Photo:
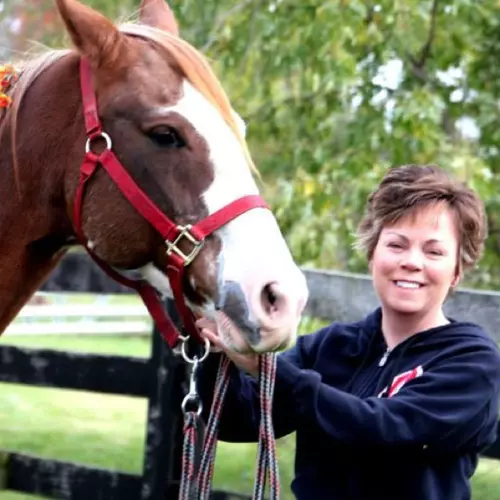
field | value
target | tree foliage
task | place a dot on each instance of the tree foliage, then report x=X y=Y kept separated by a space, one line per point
x=334 y=92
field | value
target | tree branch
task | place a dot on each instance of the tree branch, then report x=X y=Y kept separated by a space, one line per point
x=369 y=15
x=426 y=49
x=417 y=64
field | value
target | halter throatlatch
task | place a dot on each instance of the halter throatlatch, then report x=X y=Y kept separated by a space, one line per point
x=191 y=236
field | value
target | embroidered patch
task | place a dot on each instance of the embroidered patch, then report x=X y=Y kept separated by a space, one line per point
x=400 y=380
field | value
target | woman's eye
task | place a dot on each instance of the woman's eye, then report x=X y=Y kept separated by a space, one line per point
x=393 y=245
x=166 y=137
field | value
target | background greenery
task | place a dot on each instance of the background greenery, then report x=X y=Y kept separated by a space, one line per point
x=335 y=92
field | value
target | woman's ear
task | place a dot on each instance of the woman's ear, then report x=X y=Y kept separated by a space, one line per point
x=456 y=280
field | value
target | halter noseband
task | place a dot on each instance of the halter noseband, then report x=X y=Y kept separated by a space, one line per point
x=171 y=233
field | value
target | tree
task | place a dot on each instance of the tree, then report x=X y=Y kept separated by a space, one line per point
x=336 y=91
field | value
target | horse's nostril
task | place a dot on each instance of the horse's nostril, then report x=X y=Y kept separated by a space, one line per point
x=271 y=298
x=271 y=295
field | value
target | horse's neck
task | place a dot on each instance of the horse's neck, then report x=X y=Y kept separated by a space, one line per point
x=34 y=226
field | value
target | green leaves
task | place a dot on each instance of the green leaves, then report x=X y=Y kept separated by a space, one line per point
x=337 y=91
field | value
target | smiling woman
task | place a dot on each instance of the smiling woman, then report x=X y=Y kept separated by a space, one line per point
x=402 y=402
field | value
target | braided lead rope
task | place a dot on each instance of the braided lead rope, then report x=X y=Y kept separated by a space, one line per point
x=267 y=462
x=267 y=459
x=187 y=489
x=210 y=444
x=194 y=428
x=198 y=448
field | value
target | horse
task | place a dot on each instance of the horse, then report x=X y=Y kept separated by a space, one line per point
x=167 y=120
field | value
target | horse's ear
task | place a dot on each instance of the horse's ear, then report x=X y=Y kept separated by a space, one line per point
x=93 y=35
x=158 y=14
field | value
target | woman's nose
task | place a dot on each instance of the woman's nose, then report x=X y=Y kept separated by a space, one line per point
x=412 y=260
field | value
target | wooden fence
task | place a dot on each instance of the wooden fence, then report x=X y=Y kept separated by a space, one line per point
x=162 y=379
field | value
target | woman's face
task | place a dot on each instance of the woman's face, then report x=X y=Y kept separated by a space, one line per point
x=414 y=263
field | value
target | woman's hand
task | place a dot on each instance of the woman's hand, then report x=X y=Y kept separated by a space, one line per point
x=247 y=362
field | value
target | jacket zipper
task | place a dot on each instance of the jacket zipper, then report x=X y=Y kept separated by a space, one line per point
x=383 y=359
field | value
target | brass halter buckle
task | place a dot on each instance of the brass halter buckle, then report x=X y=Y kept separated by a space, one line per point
x=173 y=246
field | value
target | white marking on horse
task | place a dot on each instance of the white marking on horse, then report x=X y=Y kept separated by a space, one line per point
x=157 y=279
x=253 y=236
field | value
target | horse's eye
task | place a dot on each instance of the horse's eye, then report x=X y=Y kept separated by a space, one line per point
x=166 y=137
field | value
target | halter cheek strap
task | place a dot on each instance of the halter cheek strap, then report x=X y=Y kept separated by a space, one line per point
x=172 y=234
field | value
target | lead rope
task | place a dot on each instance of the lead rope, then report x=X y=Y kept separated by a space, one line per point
x=210 y=444
x=195 y=434
x=266 y=457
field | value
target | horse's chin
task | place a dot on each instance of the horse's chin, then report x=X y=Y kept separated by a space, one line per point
x=235 y=339
x=232 y=336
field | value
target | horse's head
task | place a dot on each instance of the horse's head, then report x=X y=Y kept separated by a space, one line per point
x=173 y=129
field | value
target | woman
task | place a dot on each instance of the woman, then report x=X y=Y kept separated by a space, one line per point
x=399 y=404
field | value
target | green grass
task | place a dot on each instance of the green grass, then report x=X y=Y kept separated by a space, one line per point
x=102 y=430
x=123 y=346
x=109 y=431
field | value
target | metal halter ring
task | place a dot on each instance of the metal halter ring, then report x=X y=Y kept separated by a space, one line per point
x=194 y=400
x=102 y=135
x=195 y=359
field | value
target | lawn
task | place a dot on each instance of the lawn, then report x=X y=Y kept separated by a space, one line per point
x=109 y=431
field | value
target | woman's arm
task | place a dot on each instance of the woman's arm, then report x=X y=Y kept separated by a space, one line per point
x=446 y=405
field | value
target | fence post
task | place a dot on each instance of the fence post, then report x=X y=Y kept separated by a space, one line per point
x=3 y=470
x=162 y=460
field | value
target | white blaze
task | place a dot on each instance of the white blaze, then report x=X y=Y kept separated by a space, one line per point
x=253 y=246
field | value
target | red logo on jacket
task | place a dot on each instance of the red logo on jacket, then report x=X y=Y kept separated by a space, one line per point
x=400 y=380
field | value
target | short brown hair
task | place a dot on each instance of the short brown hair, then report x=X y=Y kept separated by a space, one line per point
x=407 y=188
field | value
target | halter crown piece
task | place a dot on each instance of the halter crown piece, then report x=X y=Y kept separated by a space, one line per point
x=8 y=77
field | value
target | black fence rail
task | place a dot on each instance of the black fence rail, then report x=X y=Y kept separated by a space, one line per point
x=161 y=379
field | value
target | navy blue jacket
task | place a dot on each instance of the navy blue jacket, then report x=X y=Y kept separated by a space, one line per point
x=403 y=425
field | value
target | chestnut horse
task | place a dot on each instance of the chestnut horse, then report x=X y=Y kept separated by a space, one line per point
x=178 y=137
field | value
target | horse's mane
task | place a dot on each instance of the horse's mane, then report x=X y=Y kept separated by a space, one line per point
x=28 y=71
x=191 y=62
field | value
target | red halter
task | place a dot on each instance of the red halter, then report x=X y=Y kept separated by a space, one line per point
x=172 y=234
